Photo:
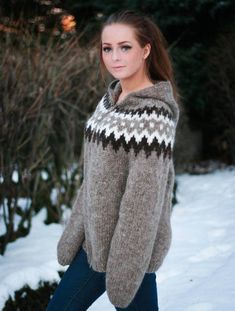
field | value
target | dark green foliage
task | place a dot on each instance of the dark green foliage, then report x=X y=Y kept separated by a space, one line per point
x=220 y=95
x=191 y=76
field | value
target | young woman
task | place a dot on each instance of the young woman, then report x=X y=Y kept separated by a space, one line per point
x=119 y=231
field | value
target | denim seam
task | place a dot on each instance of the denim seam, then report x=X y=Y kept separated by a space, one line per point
x=66 y=307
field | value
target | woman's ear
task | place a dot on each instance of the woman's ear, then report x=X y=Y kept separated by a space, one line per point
x=147 y=50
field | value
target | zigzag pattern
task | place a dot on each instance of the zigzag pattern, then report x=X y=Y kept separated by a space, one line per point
x=148 y=128
x=159 y=111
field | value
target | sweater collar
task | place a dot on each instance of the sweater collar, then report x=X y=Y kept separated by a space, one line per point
x=160 y=91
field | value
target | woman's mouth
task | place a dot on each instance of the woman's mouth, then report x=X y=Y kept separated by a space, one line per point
x=118 y=67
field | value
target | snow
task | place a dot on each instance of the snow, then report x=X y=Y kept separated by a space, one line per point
x=15 y=176
x=44 y=175
x=1 y=178
x=22 y=203
x=198 y=272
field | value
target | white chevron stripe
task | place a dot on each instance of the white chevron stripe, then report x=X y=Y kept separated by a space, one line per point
x=138 y=136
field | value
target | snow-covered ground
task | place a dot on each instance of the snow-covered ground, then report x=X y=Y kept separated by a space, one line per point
x=198 y=273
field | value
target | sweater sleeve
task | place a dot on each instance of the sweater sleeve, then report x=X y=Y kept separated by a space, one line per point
x=73 y=234
x=140 y=210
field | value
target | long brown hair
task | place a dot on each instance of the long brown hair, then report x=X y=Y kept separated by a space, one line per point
x=158 y=63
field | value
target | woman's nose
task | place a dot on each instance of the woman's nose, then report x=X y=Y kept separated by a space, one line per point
x=115 y=55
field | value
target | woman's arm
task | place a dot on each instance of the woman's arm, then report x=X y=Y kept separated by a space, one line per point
x=73 y=234
x=140 y=210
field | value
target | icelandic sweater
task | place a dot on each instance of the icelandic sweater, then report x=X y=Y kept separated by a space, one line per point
x=121 y=214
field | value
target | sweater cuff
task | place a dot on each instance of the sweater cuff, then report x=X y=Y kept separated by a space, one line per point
x=122 y=288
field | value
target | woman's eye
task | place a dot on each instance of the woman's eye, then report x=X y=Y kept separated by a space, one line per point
x=106 y=49
x=126 y=47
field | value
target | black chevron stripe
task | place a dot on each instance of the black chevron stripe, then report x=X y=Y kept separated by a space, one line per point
x=139 y=111
x=132 y=144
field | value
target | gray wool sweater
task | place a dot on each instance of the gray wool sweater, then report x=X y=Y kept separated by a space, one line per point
x=121 y=215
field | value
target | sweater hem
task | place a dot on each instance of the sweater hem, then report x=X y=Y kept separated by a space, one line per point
x=100 y=267
x=94 y=265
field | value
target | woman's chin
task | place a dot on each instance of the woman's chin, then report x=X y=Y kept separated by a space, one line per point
x=120 y=76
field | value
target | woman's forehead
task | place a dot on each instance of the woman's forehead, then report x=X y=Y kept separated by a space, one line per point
x=116 y=33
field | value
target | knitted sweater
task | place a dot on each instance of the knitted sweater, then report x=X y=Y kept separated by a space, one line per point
x=121 y=215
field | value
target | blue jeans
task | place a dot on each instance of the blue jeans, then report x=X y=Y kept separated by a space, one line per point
x=80 y=286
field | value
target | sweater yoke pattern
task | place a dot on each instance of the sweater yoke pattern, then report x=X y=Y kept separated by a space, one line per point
x=149 y=128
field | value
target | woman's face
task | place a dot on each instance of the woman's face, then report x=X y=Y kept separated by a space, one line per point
x=122 y=55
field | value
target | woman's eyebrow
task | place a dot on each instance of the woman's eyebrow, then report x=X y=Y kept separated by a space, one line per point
x=118 y=42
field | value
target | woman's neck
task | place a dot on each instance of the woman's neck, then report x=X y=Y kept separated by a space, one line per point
x=134 y=84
